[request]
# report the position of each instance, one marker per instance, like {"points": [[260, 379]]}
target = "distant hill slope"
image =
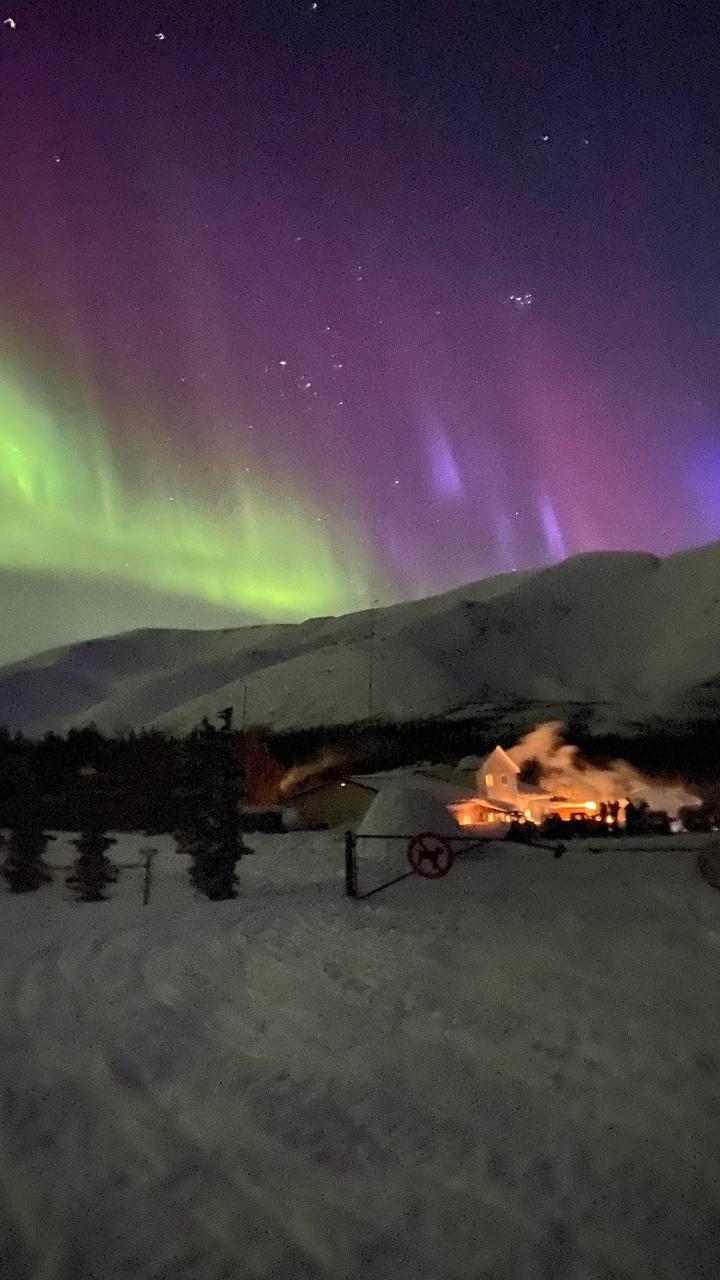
{"points": [[636, 633]]}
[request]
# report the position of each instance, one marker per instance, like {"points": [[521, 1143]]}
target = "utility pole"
{"points": [[371, 659]]}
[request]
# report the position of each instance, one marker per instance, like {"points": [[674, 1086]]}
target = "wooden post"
{"points": [[351, 883], [148, 855]]}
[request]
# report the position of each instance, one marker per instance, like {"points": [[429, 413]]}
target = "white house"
{"points": [[497, 779]]}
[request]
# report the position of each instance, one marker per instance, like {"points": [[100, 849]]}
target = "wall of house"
{"points": [[497, 780], [472, 813]]}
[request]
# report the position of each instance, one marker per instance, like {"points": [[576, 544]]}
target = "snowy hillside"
{"points": [[636, 633], [511, 1073]]}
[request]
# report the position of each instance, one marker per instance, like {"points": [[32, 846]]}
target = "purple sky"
{"points": [[455, 274]]}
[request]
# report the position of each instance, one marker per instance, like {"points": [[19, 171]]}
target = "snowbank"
{"points": [[407, 808], [510, 1073]]}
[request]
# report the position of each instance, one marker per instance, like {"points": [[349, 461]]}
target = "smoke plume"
{"points": [[303, 773], [564, 773]]}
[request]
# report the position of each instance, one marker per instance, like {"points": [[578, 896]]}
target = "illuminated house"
{"points": [[497, 780], [500, 798], [497, 783]]}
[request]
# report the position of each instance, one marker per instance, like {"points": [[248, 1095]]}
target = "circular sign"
{"points": [[430, 856]]}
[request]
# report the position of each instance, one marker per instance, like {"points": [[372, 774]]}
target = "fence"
{"points": [[442, 856], [438, 852], [148, 856]]}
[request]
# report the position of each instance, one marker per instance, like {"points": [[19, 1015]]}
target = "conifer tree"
{"points": [[24, 868], [93, 870], [212, 832]]}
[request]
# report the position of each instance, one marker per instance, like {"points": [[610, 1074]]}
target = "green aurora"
{"points": [[65, 507]]}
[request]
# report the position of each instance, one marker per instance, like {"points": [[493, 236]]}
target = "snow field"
{"points": [[509, 1073]]}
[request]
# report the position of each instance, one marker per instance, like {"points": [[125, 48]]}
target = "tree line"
{"points": [[210, 832]]}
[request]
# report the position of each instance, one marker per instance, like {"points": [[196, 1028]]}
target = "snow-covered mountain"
{"points": [[635, 633]]}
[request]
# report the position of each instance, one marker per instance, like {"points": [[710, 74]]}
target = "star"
{"points": [[159, 35], [10, 22]]}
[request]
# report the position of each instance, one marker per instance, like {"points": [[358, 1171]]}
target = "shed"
{"points": [[335, 802], [342, 803]]}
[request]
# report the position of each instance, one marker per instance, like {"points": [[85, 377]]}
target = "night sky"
{"points": [[305, 305]]}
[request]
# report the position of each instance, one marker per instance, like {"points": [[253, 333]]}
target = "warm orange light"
{"points": [[465, 813]]}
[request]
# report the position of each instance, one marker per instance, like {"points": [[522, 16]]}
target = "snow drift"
{"points": [[512, 1072]]}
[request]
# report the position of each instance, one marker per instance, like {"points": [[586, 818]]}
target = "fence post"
{"points": [[351, 881], [149, 854]]}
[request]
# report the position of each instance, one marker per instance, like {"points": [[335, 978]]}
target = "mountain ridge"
{"points": [[629, 630]]}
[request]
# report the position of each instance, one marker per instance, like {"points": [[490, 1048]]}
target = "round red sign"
{"points": [[430, 856]]}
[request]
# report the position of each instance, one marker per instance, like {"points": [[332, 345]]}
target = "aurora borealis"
{"points": [[303, 305], [65, 508]]}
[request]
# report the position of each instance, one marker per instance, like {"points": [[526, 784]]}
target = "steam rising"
{"points": [[303, 773], [564, 773]]}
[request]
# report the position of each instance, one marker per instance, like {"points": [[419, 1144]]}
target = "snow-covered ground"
{"points": [[510, 1073]]}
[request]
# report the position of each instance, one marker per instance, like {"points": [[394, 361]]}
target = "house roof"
{"points": [[504, 806], [375, 781], [445, 791], [492, 806], [372, 782], [322, 783], [501, 756]]}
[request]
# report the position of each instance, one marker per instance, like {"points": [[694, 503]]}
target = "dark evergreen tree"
{"points": [[24, 868], [93, 870], [212, 833], [215, 850]]}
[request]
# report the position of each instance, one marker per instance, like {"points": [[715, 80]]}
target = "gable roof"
{"points": [[502, 758], [325, 784], [490, 806], [370, 782]]}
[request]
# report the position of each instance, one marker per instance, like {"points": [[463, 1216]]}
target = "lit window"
{"points": [[488, 779]]}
